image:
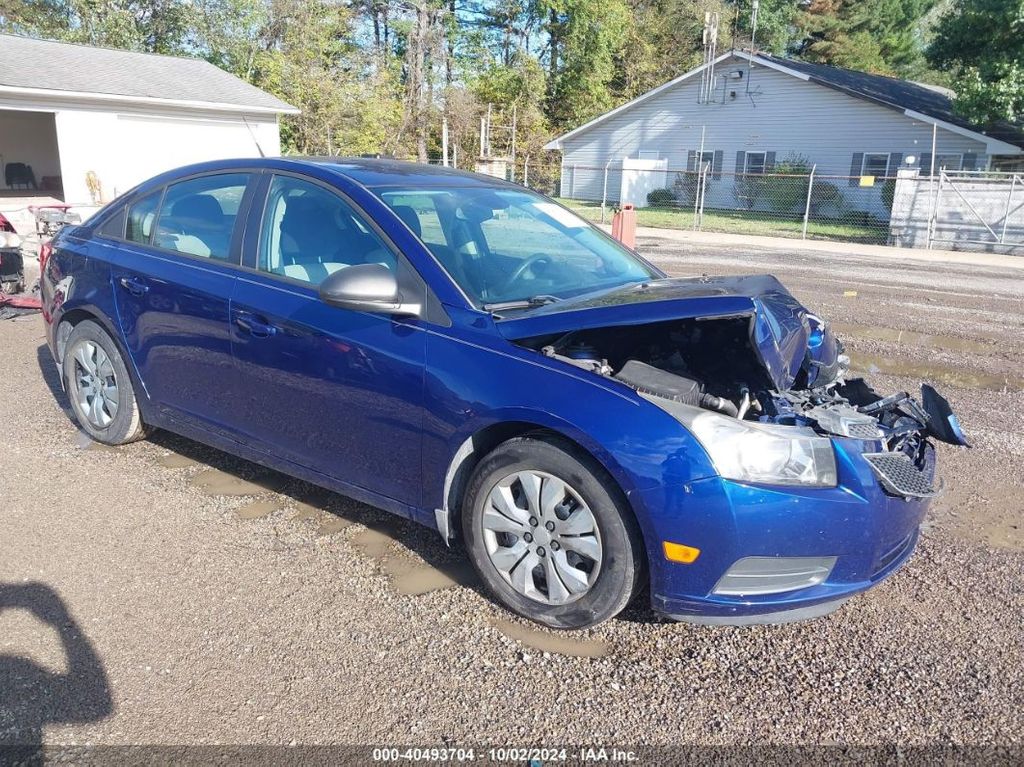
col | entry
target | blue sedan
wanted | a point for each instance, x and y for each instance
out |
(465, 353)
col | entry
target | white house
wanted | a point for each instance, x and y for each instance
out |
(748, 112)
(84, 124)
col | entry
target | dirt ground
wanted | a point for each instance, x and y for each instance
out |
(168, 593)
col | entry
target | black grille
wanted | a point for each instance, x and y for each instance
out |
(864, 430)
(899, 475)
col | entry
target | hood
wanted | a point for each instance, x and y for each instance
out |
(779, 328)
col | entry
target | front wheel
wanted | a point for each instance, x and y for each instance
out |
(99, 387)
(550, 535)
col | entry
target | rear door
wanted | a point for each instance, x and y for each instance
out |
(333, 390)
(173, 279)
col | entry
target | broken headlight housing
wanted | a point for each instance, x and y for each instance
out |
(764, 453)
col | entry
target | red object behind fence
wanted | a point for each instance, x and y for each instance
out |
(624, 226)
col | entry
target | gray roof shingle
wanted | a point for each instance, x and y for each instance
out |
(29, 63)
(902, 94)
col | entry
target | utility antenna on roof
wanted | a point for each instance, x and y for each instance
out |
(710, 40)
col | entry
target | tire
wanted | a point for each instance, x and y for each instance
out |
(588, 543)
(99, 387)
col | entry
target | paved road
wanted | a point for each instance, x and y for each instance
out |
(168, 593)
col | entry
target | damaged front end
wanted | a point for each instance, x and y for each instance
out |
(760, 382)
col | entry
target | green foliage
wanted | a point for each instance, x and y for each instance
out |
(982, 43)
(880, 36)
(586, 37)
(661, 197)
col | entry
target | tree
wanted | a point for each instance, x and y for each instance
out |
(157, 26)
(585, 38)
(880, 36)
(982, 42)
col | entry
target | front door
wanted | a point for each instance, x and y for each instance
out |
(173, 279)
(334, 390)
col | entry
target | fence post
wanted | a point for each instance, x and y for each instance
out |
(572, 182)
(526, 171)
(604, 190)
(807, 207)
(935, 209)
(696, 193)
(1006, 214)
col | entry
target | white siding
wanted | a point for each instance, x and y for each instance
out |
(126, 148)
(780, 114)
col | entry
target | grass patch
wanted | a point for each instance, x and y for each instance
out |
(744, 222)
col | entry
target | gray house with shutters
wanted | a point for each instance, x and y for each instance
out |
(751, 114)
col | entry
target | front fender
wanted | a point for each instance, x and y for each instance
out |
(474, 383)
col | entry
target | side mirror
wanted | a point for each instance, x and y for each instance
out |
(366, 288)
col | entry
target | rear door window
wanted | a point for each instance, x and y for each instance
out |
(141, 216)
(198, 216)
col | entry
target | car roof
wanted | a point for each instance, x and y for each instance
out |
(380, 172)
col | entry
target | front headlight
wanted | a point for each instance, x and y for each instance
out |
(755, 452)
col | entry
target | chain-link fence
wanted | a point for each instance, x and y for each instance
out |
(807, 205)
(963, 210)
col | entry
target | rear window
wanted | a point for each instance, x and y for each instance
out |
(113, 226)
(141, 216)
(198, 216)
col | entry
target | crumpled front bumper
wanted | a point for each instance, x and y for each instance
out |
(869, 532)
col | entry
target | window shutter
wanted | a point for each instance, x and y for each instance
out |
(970, 161)
(691, 161)
(926, 164)
(769, 162)
(716, 164)
(895, 161)
(741, 162)
(855, 168)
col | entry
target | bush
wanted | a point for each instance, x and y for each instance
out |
(661, 197)
(825, 195)
(685, 187)
(749, 190)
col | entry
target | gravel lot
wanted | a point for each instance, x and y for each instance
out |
(168, 593)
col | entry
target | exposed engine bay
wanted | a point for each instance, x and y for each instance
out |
(715, 365)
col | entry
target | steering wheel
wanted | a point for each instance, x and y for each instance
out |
(525, 266)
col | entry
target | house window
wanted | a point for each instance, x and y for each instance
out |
(948, 161)
(875, 164)
(707, 158)
(755, 162)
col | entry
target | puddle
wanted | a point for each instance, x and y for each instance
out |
(559, 644)
(414, 578)
(373, 543)
(926, 340)
(332, 525)
(175, 461)
(259, 509)
(217, 482)
(894, 366)
(408, 576)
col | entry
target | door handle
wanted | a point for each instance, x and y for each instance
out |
(134, 285)
(255, 327)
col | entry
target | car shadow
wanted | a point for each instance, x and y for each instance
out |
(51, 377)
(33, 696)
(417, 539)
(309, 499)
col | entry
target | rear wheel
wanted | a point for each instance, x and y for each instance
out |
(99, 387)
(549, 533)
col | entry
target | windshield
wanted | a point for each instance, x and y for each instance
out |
(505, 246)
